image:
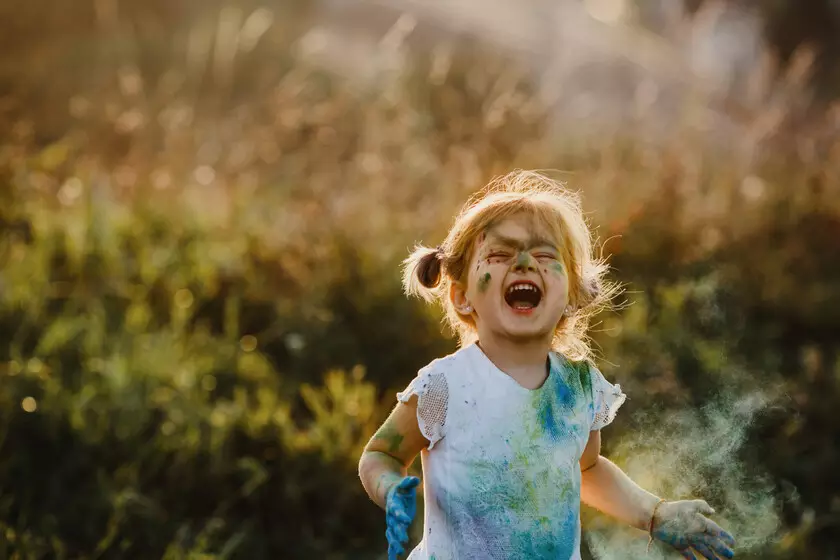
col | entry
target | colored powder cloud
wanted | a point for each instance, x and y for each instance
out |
(694, 454)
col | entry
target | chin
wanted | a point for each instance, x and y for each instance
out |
(528, 326)
(528, 336)
(526, 331)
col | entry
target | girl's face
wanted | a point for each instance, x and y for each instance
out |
(517, 284)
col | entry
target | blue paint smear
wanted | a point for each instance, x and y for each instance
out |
(556, 400)
(564, 396)
(550, 426)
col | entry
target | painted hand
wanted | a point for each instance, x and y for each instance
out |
(682, 525)
(400, 507)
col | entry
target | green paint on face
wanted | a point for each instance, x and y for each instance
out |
(557, 267)
(484, 282)
(523, 259)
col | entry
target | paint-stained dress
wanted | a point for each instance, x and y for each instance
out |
(501, 475)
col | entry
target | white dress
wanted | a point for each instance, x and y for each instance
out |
(501, 477)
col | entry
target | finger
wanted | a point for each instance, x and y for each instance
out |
(715, 544)
(702, 506)
(399, 527)
(714, 529)
(408, 483)
(398, 514)
(394, 546)
(401, 532)
(394, 550)
(389, 534)
(688, 554)
(403, 508)
(705, 551)
(727, 538)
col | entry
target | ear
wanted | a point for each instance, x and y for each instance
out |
(458, 297)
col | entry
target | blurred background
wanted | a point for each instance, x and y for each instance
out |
(204, 204)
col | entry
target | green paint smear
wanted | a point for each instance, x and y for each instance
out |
(392, 437)
(523, 259)
(510, 493)
(557, 267)
(395, 442)
(484, 282)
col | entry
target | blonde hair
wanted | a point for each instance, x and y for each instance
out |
(429, 272)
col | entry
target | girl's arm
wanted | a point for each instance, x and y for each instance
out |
(680, 524)
(607, 488)
(391, 450)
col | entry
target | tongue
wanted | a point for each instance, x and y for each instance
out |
(521, 304)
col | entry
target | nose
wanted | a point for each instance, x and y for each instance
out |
(524, 263)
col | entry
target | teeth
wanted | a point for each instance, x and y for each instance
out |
(523, 287)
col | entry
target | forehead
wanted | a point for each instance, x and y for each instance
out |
(523, 229)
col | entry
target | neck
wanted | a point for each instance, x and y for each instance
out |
(521, 359)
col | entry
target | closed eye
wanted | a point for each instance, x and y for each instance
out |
(546, 256)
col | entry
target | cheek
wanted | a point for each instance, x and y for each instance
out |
(483, 282)
(555, 274)
(485, 276)
(556, 268)
(480, 264)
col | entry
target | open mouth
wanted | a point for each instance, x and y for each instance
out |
(523, 295)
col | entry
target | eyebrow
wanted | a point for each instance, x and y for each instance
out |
(517, 244)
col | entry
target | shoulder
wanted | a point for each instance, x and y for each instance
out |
(607, 398)
(458, 361)
(443, 377)
(434, 394)
(580, 369)
(592, 378)
(434, 375)
(587, 374)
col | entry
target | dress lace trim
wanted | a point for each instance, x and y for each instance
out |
(432, 404)
(607, 397)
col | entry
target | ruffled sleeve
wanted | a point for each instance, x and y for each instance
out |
(606, 399)
(432, 403)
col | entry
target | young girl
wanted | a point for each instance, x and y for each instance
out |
(508, 426)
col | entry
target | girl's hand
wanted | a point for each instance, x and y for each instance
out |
(400, 507)
(682, 525)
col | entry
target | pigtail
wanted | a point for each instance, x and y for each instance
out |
(422, 272)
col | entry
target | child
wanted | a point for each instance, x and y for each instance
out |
(508, 426)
